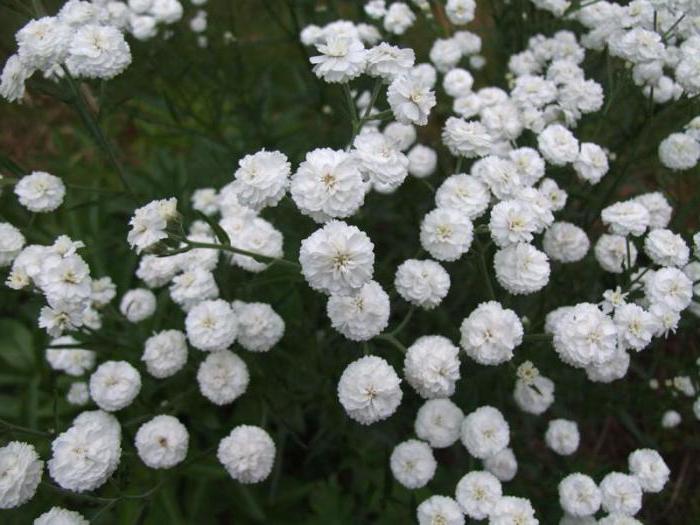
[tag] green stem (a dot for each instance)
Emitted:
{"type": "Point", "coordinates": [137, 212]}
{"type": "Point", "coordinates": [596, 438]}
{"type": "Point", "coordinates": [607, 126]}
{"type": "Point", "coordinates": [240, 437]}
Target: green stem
{"type": "Point", "coordinates": [485, 271]}
{"type": "Point", "coordinates": [403, 323]}
{"type": "Point", "coordinates": [393, 341]}
{"type": "Point", "coordinates": [98, 134]}
{"type": "Point", "coordinates": [258, 257]}
{"type": "Point", "coordinates": [17, 428]}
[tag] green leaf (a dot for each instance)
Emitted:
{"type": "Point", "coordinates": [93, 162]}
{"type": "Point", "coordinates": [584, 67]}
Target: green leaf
{"type": "Point", "coordinates": [16, 345]}
{"type": "Point", "coordinates": [218, 230]}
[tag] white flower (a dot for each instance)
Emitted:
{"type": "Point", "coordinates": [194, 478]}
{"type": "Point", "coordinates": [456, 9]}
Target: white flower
{"type": "Point", "coordinates": [614, 253]}
{"type": "Point", "coordinates": [260, 237]}
{"type": "Point", "coordinates": [337, 259]}
{"type": "Point", "coordinates": [114, 385]}
{"type": "Point", "coordinates": [555, 195]}
{"type": "Point", "coordinates": [621, 493]}
{"type": "Point", "coordinates": [157, 271]}
{"type": "Point", "coordinates": [529, 164]}
{"type": "Point", "coordinates": [485, 432]}
{"type": "Point", "coordinates": [477, 493]}
{"type": "Point", "coordinates": [512, 221]}
{"type": "Point", "coordinates": [579, 495]}
{"type": "Point", "coordinates": [666, 248]}
{"type": "Point", "coordinates": [446, 234]}
{"type": "Point", "coordinates": [521, 268]}
{"type": "Point", "coordinates": [592, 163]}
{"type": "Point", "coordinates": [205, 200]}
{"type": "Point", "coordinates": [43, 43]}
{"type": "Point", "coordinates": [401, 136]}
{"type": "Point", "coordinates": [422, 161]}
{"type": "Point", "coordinates": [388, 62]}
{"type": "Point", "coordinates": [669, 287]}
{"type": "Point", "coordinates": [510, 510]}
{"type": "Point", "coordinates": [72, 361]}
{"type": "Point", "coordinates": [422, 283]}
{"type": "Point", "coordinates": [211, 326]}
{"type": "Point", "coordinates": [565, 242]}
{"type": "Point", "coordinates": [78, 394]}
{"type": "Point", "coordinates": [649, 468]}
{"type": "Point", "coordinates": [138, 304]}
{"type": "Point", "coordinates": [679, 151]}
{"type": "Point", "coordinates": [465, 193]}
{"type": "Point", "coordinates": [625, 218]}
{"type": "Point", "coordinates": [460, 12]}
{"type": "Point", "coordinates": [500, 175]}
{"type": "Point", "coordinates": [102, 291]}
{"type": "Point", "coordinates": [248, 454]}
{"type": "Point", "coordinates": [14, 75]}
{"type": "Point", "coordinates": [149, 222]}
{"type": "Point", "coordinates": [162, 442]}
{"type": "Point", "coordinates": [458, 82]}
{"type": "Point", "coordinates": [20, 474]}
{"type": "Point", "coordinates": [411, 99]}
{"type": "Point", "coordinates": [398, 18]}
{"type": "Point", "coordinates": [467, 139]}
{"type": "Point", "coordinates": [369, 390]}
{"type": "Point", "coordinates": [562, 436]}
{"type": "Point", "coordinates": [585, 335]}
{"type": "Point", "coordinates": [259, 326]}
{"type": "Point", "coordinates": [192, 287]}
{"type": "Point", "coordinates": [328, 184]}
{"type": "Point", "coordinates": [558, 145]}
{"type": "Point", "coordinates": [40, 192]}
{"type": "Point", "coordinates": [262, 179]}
{"type": "Point", "coordinates": [361, 315]}
{"type": "Point", "coordinates": [88, 453]}
{"type": "Point", "coordinates": [342, 58]}
{"type": "Point", "coordinates": [635, 326]}
{"type": "Point", "coordinates": [60, 516]}
{"type": "Point", "coordinates": [431, 366]}
{"type": "Point", "coordinates": [658, 207]}
{"type": "Point", "coordinates": [502, 465]}
{"type": "Point", "coordinates": [610, 370]}
{"type": "Point", "coordinates": [165, 353]}
{"type": "Point", "coordinates": [445, 53]}
{"type": "Point", "coordinates": [375, 8]}
{"type": "Point", "coordinates": [383, 165]}
{"type": "Point", "coordinates": [98, 52]}
{"type": "Point", "coordinates": [441, 510]}
{"type": "Point", "coordinates": [412, 463]}
{"type": "Point", "coordinates": [223, 377]}
{"type": "Point", "coordinates": [536, 396]}
{"type": "Point", "coordinates": [438, 422]}
{"type": "Point", "coordinates": [618, 519]}
{"type": "Point", "coordinates": [670, 419]}
{"type": "Point", "coordinates": [490, 334]}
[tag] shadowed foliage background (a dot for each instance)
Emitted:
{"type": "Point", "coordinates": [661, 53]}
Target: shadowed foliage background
{"type": "Point", "coordinates": [182, 116]}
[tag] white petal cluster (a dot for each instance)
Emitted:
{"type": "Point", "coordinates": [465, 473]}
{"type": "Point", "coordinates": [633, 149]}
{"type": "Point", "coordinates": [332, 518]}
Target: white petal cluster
{"type": "Point", "coordinates": [503, 465]}
{"type": "Point", "coordinates": [149, 222]}
{"type": "Point", "coordinates": [438, 422]}
{"type": "Point", "coordinates": [389, 62]}
{"type": "Point", "coordinates": [211, 326]}
{"type": "Point", "coordinates": [521, 268]}
{"type": "Point", "coordinates": [431, 366]}
{"type": "Point", "coordinates": [535, 396]}
{"type": "Point", "coordinates": [337, 259]}
{"type": "Point", "coordinates": [413, 464]}
{"type": "Point", "coordinates": [78, 394]}
{"type": "Point", "coordinates": [490, 334]}
{"type": "Point", "coordinates": [621, 493]}
{"type": "Point", "coordinates": [439, 509]}
{"type": "Point", "coordinates": [361, 315]}
{"type": "Point", "coordinates": [73, 361]}
{"type": "Point", "coordinates": [579, 495]}
{"type": "Point", "coordinates": [635, 326]}
{"type": "Point", "coordinates": [61, 516]}
{"type": "Point", "coordinates": [98, 51]}
{"type": "Point", "coordinates": [369, 390]}
{"type": "Point", "coordinates": [40, 192]}
{"type": "Point", "coordinates": [11, 243]}
{"type": "Point", "coordinates": [626, 218]}
{"type": "Point", "coordinates": [465, 193]}
{"type": "Point", "coordinates": [165, 353]}
{"type": "Point", "coordinates": [467, 139]}
{"type": "Point", "coordinates": [565, 242]}
{"type": "Point", "coordinates": [259, 326]}
{"type": "Point", "coordinates": [614, 253]}
{"type": "Point", "coordinates": [223, 377]}
{"type": "Point", "coordinates": [88, 453]}
{"type": "Point", "coordinates": [20, 474]}
{"type": "Point", "coordinates": [510, 510]}
{"type": "Point", "coordinates": [422, 283]}
{"type": "Point", "coordinates": [584, 336]}
{"type": "Point", "coordinates": [162, 442]}
{"type": "Point", "coordinates": [446, 234]}
{"type": "Point", "coordinates": [382, 164]}
{"type": "Point", "coordinates": [262, 179]}
{"type": "Point", "coordinates": [138, 304]}
{"type": "Point", "coordinates": [485, 432]}
{"type": "Point", "coordinates": [562, 436]}
{"type": "Point", "coordinates": [342, 58]}
{"type": "Point", "coordinates": [422, 161]}
{"type": "Point", "coordinates": [411, 99]}
{"type": "Point", "coordinates": [649, 468]}
{"type": "Point", "coordinates": [666, 248]}
{"type": "Point", "coordinates": [669, 287]}
{"type": "Point", "coordinates": [247, 453]}
{"type": "Point", "coordinates": [477, 493]}
{"type": "Point", "coordinates": [114, 385]}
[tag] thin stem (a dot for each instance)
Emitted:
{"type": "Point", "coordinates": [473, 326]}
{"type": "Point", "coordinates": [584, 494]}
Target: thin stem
{"type": "Point", "coordinates": [485, 271]}
{"type": "Point", "coordinates": [393, 341]}
{"type": "Point", "coordinates": [93, 125]}
{"type": "Point", "coordinates": [373, 99]}
{"type": "Point", "coordinates": [355, 121]}
{"type": "Point", "coordinates": [403, 323]}
{"type": "Point", "coordinates": [258, 257]}
{"type": "Point", "coordinates": [25, 430]}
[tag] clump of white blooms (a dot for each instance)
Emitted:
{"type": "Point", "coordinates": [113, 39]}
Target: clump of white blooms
{"type": "Point", "coordinates": [491, 333]}
{"type": "Point", "coordinates": [485, 432]}
{"type": "Point", "coordinates": [165, 353]}
{"type": "Point", "coordinates": [262, 179]}
{"type": "Point", "coordinates": [259, 327]}
{"type": "Point", "coordinates": [477, 494]}
{"type": "Point", "coordinates": [21, 471]}
{"type": "Point", "coordinates": [114, 385]}
{"type": "Point", "coordinates": [438, 421]}
{"type": "Point", "coordinates": [40, 192]}
{"type": "Point", "coordinates": [369, 390]}
{"type": "Point", "coordinates": [431, 366]}
{"type": "Point", "coordinates": [446, 234]}
{"type": "Point", "coordinates": [562, 436]}
{"type": "Point", "coordinates": [247, 453]}
{"type": "Point", "coordinates": [360, 315]}
{"type": "Point", "coordinates": [422, 283]}
{"type": "Point", "coordinates": [162, 442]}
{"type": "Point", "coordinates": [412, 463]}
{"type": "Point", "coordinates": [138, 304]}
{"type": "Point", "coordinates": [439, 509]}
{"type": "Point", "coordinates": [211, 325]}
{"type": "Point", "coordinates": [223, 377]}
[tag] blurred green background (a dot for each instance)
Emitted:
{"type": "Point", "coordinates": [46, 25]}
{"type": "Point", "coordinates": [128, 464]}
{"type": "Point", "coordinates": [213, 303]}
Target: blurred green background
{"type": "Point", "coordinates": [182, 116]}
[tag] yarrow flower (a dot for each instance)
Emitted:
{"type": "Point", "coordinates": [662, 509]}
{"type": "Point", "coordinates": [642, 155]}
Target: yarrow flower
{"type": "Point", "coordinates": [342, 58]}
{"type": "Point", "coordinates": [431, 366]}
{"type": "Point", "coordinates": [446, 234]}
{"type": "Point", "coordinates": [21, 471]}
{"type": "Point", "coordinates": [411, 99]}
{"type": "Point", "coordinates": [491, 333]}
{"type": "Point", "coordinates": [422, 283]}
{"type": "Point", "coordinates": [247, 453]}
{"type": "Point", "coordinates": [40, 192]}
{"type": "Point", "coordinates": [162, 442]}
{"type": "Point", "coordinates": [438, 422]}
{"type": "Point", "coordinates": [361, 315]}
{"type": "Point", "coordinates": [485, 432]}
{"type": "Point", "coordinates": [262, 179]}
{"type": "Point", "coordinates": [412, 463]}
